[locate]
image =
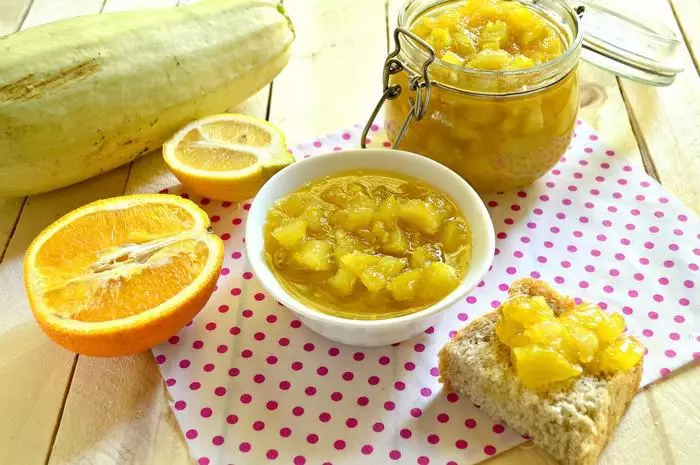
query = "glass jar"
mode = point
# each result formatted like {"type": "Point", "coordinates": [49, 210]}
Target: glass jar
{"type": "Point", "coordinates": [502, 130]}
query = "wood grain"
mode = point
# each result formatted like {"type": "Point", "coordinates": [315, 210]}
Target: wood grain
{"type": "Point", "coordinates": [665, 120]}
{"type": "Point", "coordinates": [45, 11]}
{"type": "Point", "coordinates": [687, 15]}
{"type": "Point", "coordinates": [12, 15]}
{"type": "Point", "coordinates": [35, 372]}
{"type": "Point", "coordinates": [334, 79]}
{"type": "Point", "coordinates": [117, 412]}
{"type": "Point", "coordinates": [10, 209]}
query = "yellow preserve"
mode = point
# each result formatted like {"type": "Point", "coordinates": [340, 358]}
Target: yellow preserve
{"type": "Point", "coordinates": [490, 34]}
{"type": "Point", "coordinates": [367, 245]}
{"type": "Point", "coordinates": [504, 99]}
{"type": "Point", "coordinates": [547, 348]}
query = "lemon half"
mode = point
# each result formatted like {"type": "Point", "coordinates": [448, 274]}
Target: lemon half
{"type": "Point", "coordinates": [227, 156]}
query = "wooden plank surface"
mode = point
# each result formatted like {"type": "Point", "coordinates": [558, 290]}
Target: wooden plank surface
{"type": "Point", "coordinates": [665, 119]}
{"type": "Point", "coordinates": [70, 410]}
{"type": "Point", "coordinates": [687, 14]}
{"type": "Point", "coordinates": [34, 370]}
{"type": "Point", "coordinates": [334, 79]}
{"type": "Point", "coordinates": [12, 15]}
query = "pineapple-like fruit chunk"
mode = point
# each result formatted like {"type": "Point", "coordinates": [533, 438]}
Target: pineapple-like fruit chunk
{"type": "Point", "coordinates": [388, 211]}
{"type": "Point", "coordinates": [537, 366]}
{"type": "Point", "coordinates": [452, 58]}
{"type": "Point", "coordinates": [315, 217]}
{"type": "Point", "coordinates": [534, 34]}
{"type": "Point", "coordinates": [611, 328]}
{"type": "Point", "coordinates": [583, 342]}
{"type": "Point", "coordinates": [453, 235]}
{"type": "Point", "coordinates": [440, 203]}
{"type": "Point", "coordinates": [520, 62]}
{"type": "Point", "coordinates": [464, 44]}
{"type": "Point", "coordinates": [490, 59]}
{"type": "Point", "coordinates": [449, 19]}
{"type": "Point", "coordinates": [339, 251]}
{"type": "Point", "coordinates": [290, 234]}
{"type": "Point", "coordinates": [440, 39]}
{"type": "Point", "coordinates": [420, 215]}
{"type": "Point", "coordinates": [494, 35]}
{"type": "Point", "coordinates": [376, 277]}
{"type": "Point", "coordinates": [358, 262]}
{"type": "Point", "coordinates": [620, 355]}
{"type": "Point", "coordinates": [510, 332]}
{"type": "Point", "coordinates": [356, 218]}
{"type": "Point", "coordinates": [517, 314]}
{"type": "Point", "coordinates": [424, 26]}
{"type": "Point", "coordinates": [473, 7]}
{"type": "Point", "coordinates": [521, 18]}
{"type": "Point", "coordinates": [533, 122]}
{"type": "Point", "coordinates": [526, 310]}
{"type": "Point", "coordinates": [343, 282]}
{"type": "Point", "coordinates": [346, 243]}
{"type": "Point", "coordinates": [276, 217]}
{"type": "Point", "coordinates": [549, 334]}
{"type": "Point", "coordinates": [606, 327]}
{"type": "Point", "coordinates": [439, 279]}
{"type": "Point", "coordinates": [397, 244]}
{"type": "Point", "coordinates": [425, 255]}
{"type": "Point", "coordinates": [294, 204]}
{"type": "Point", "coordinates": [405, 286]}
{"type": "Point", "coordinates": [379, 231]}
{"type": "Point", "coordinates": [315, 255]}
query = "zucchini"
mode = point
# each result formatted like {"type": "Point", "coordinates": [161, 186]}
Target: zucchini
{"type": "Point", "coordinates": [85, 95]}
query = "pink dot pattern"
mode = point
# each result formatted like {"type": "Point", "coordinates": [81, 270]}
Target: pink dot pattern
{"type": "Point", "coordinates": [251, 384]}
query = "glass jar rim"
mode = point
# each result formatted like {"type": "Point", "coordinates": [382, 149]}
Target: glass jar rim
{"type": "Point", "coordinates": [559, 66]}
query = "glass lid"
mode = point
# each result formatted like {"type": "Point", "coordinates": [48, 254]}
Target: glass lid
{"type": "Point", "coordinates": [630, 46]}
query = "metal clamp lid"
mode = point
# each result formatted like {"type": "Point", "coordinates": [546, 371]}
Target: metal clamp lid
{"type": "Point", "coordinates": [419, 83]}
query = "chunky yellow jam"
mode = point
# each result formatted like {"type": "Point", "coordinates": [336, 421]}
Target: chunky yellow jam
{"type": "Point", "coordinates": [547, 348]}
{"type": "Point", "coordinates": [497, 133]}
{"type": "Point", "coordinates": [367, 245]}
{"type": "Point", "coordinates": [490, 34]}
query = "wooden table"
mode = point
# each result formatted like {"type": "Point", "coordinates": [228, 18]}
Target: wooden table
{"type": "Point", "coordinates": [59, 408]}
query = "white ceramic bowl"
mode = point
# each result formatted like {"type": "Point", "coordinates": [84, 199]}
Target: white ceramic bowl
{"type": "Point", "coordinates": [370, 333]}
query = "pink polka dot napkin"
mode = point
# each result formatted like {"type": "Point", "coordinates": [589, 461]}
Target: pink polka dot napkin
{"type": "Point", "coordinates": [251, 385]}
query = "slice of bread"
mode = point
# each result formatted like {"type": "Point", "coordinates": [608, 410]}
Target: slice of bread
{"type": "Point", "coordinates": [571, 420]}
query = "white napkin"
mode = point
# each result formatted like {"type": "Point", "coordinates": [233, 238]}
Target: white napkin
{"type": "Point", "coordinates": [251, 385]}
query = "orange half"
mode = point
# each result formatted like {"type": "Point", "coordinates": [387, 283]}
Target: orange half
{"type": "Point", "coordinates": [120, 275]}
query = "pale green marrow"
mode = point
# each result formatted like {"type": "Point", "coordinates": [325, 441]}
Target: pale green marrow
{"type": "Point", "coordinates": [85, 95]}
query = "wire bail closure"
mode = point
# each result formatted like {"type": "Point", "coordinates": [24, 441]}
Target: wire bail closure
{"type": "Point", "coordinates": [419, 83]}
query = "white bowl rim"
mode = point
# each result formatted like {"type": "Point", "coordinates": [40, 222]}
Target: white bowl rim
{"type": "Point", "coordinates": [465, 286]}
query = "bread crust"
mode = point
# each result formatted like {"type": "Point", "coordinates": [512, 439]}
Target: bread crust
{"type": "Point", "coordinates": [583, 443]}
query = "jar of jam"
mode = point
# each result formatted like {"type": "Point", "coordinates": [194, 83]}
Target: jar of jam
{"type": "Point", "coordinates": [490, 89]}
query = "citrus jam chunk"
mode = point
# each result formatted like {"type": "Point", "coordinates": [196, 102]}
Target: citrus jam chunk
{"type": "Point", "coordinates": [547, 348]}
{"type": "Point", "coordinates": [490, 35]}
{"type": "Point", "coordinates": [367, 245]}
